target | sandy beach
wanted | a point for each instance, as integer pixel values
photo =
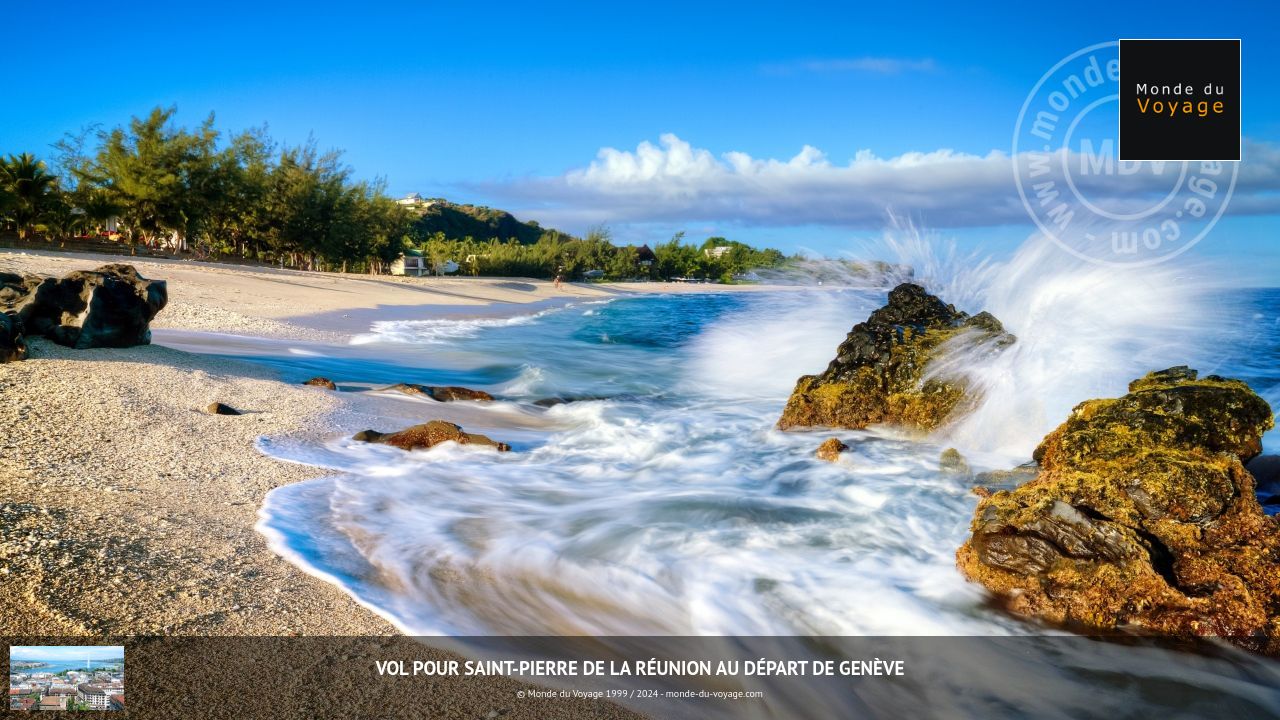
(112, 468)
(127, 510)
(270, 302)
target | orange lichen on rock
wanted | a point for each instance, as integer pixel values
(830, 449)
(878, 374)
(1142, 517)
(429, 434)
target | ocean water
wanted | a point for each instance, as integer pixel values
(58, 666)
(662, 501)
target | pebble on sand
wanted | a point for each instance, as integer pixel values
(221, 409)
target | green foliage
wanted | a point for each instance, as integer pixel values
(458, 221)
(242, 195)
(198, 190)
(555, 254)
(296, 206)
(28, 191)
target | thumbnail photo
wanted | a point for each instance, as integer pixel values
(66, 677)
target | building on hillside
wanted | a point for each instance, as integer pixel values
(717, 252)
(53, 702)
(414, 200)
(411, 263)
(117, 702)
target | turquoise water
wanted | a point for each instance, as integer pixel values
(662, 501)
(58, 666)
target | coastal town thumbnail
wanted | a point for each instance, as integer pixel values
(66, 677)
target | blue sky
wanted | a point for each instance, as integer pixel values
(498, 102)
(68, 653)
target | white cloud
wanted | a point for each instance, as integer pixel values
(873, 65)
(69, 653)
(673, 181)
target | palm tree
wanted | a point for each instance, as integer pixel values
(99, 206)
(29, 185)
(7, 201)
(60, 218)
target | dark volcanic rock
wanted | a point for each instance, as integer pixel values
(15, 287)
(109, 307)
(1142, 516)
(878, 373)
(221, 409)
(427, 435)
(323, 382)
(441, 393)
(13, 346)
(554, 401)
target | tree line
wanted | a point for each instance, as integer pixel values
(555, 253)
(243, 195)
(197, 190)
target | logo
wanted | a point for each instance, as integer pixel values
(1180, 100)
(1081, 195)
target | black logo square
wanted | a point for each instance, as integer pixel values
(1179, 99)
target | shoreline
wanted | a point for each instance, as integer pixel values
(136, 416)
(263, 301)
(127, 510)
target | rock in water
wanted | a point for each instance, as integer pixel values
(427, 435)
(953, 463)
(323, 382)
(1143, 517)
(878, 373)
(13, 346)
(450, 393)
(441, 393)
(109, 307)
(830, 449)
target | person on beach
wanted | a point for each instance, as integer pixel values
(559, 277)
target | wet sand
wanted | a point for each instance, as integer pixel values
(127, 510)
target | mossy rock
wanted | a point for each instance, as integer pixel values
(830, 449)
(1142, 517)
(878, 374)
(429, 434)
(953, 463)
(440, 393)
